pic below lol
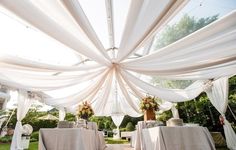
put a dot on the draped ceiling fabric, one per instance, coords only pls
(209, 53)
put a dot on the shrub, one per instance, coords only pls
(122, 129)
(33, 140)
(6, 139)
(37, 124)
(129, 127)
(110, 134)
(35, 136)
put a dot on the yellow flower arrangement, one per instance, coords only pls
(85, 111)
(149, 103)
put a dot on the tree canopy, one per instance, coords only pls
(200, 110)
(173, 33)
(184, 27)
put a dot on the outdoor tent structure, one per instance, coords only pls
(107, 77)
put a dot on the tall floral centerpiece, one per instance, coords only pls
(85, 111)
(149, 105)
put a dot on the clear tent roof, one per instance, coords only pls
(32, 44)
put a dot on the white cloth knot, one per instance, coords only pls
(207, 86)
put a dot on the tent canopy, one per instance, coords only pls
(103, 38)
(104, 74)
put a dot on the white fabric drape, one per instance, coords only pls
(102, 106)
(218, 95)
(124, 91)
(117, 119)
(62, 114)
(172, 95)
(39, 82)
(221, 32)
(78, 14)
(4, 95)
(208, 53)
(38, 18)
(24, 103)
(175, 111)
(88, 93)
(164, 106)
(144, 20)
(215, 44)
(16, 63)
(205, 54)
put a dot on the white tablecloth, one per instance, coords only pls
(69, 139)
(133, 138)
(177, 138)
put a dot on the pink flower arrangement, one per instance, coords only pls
(85, 111)
(149, 103)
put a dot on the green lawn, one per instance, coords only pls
(112, 141)
(33, 146)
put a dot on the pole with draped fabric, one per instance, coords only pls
(24, 103)
(62, 114)
(218, 95)
(117, 119)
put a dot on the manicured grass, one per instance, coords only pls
(32, 146)
(112, 141)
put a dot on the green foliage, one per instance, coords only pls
(173, 33)
(175, 84)
(106, 123)
(35, 135)
(164, 116)
(122, 129)
(112, 141)
(5, 139)
(109, 134)
(2, 113)
(70, 117)
(33, 140)
(201, 111)
(103, 122)
(32, 119)
(184, 27)
(32, 146)
(130, 127)
(43, 124)
(128, 119)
